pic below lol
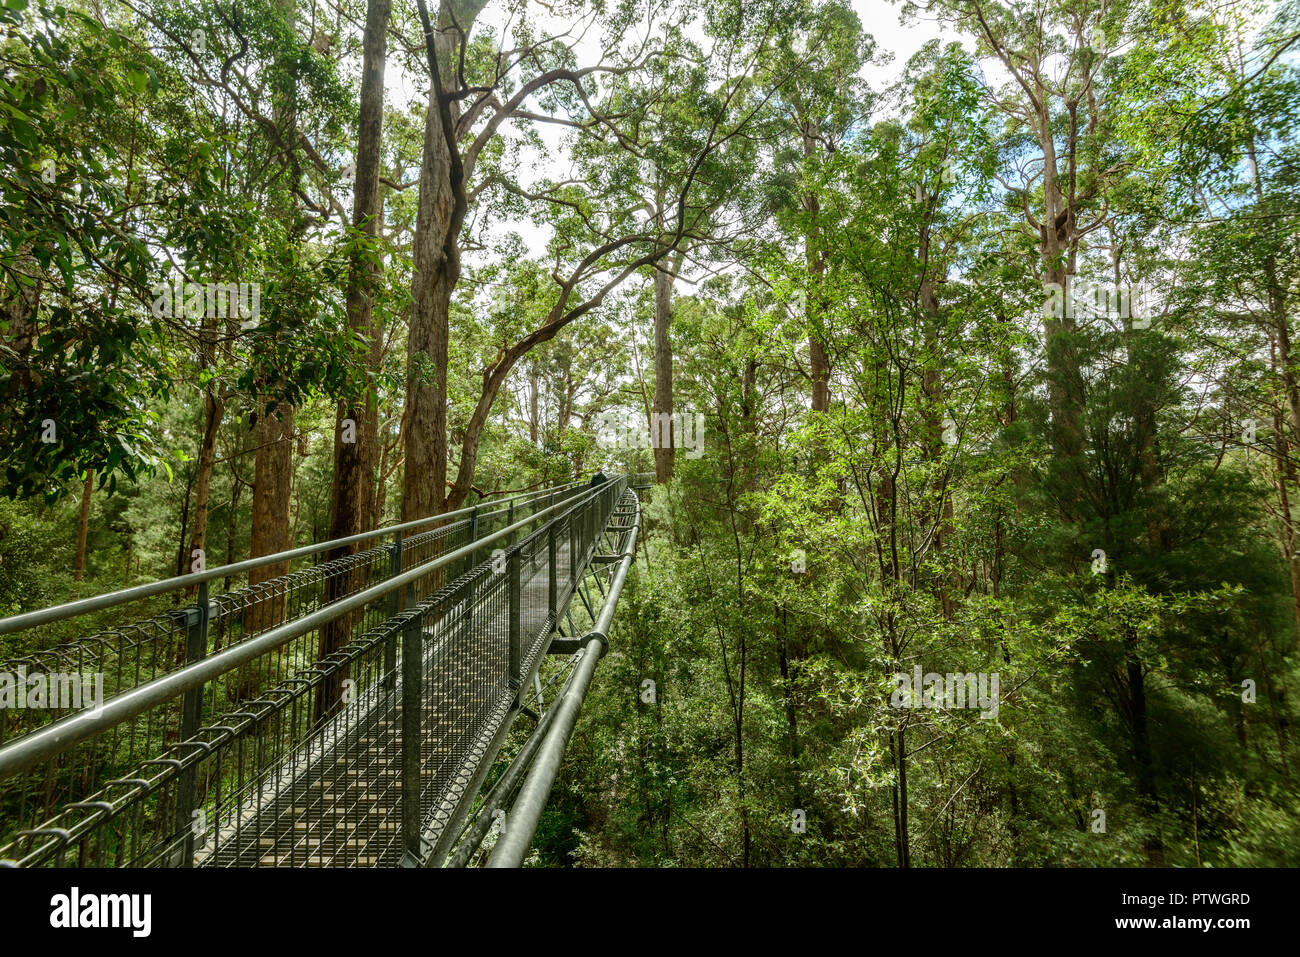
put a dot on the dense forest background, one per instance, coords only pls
(993, 361)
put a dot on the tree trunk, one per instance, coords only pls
(273, 458)
(436, 270)
(661, 428)
(236, 489)
(1057, 250)
(424, 427)
(214, 407)
(355, 437)
(565, 411)
(355, 451)
(272, 500)
(83, 529)
(381, 488)
(819, 369)
(534, 401)
(787, 687)
(19, 311)
(1138, 727)
(940, 517)
(181, 564)
(373, 471)
(1284, 476)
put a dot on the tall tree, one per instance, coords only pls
(1054, 55)
(594, 253)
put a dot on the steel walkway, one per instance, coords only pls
(324, 809)
(345, 714)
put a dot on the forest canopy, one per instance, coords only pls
(954, 334)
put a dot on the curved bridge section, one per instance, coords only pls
(342, 714)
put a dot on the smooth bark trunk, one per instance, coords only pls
(83, 529)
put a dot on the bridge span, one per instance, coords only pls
(346, 712)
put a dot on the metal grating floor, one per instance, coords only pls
(337, 802)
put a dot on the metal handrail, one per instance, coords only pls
(45, 616)
(60, 736)
(525, 814)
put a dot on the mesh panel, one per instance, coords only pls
(298, 755)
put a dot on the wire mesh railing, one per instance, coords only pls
(331, 716)
(531, 770)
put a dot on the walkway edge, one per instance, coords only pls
(525, 814)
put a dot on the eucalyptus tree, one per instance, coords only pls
(356, 427)
(476, 88)
(814, 71)
(356, 439)
(671, 103)
(1048, 75)
(1216, 134)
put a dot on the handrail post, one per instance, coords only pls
(394, 608)
(196, 648)
(473, 537)
(573, 553)
(412, 673)
(516, 655)
(395, 569)
(552, 581)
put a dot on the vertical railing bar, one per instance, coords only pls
(552, 581)
(196, 648)
(516, 657)
(394, 608)
(573, 553)
(411, 729)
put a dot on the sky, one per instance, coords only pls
(880, 19)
